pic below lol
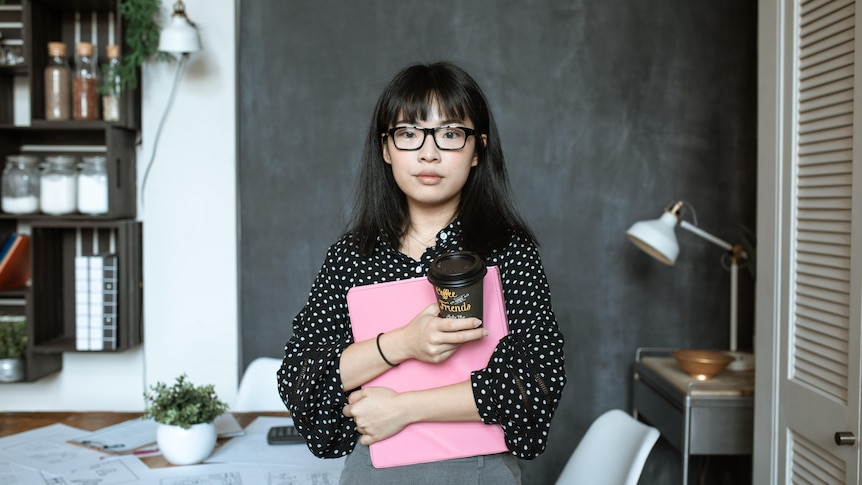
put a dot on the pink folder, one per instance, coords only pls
(385, 306)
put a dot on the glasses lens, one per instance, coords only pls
(408, 138)
(450, 137)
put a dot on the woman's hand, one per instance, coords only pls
(380, 412)
(432, 339)
(377, 413)
(427, 338)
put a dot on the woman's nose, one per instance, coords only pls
(429, 152)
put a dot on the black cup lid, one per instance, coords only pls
(457, 268)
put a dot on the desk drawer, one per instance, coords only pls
(719, 428)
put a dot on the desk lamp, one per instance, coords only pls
(656, 237)
(180, 36)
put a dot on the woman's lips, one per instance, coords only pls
(428, 178)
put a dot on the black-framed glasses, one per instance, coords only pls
(445, 137)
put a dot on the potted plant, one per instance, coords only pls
(186, 433)
(13, 347)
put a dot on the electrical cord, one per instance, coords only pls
(180, 67)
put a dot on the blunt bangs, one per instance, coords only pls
(416, 90)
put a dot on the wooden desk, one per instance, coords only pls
(713, 417)
(17, 422)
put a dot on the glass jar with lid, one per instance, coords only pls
(93, 186)
(21, 184)
(59, 185)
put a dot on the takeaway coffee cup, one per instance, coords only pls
(458, 282)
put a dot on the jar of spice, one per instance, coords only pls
(58, 82)
(93, 186)
(85, 96)
(111, 85)
(21, 185)
(58, 185)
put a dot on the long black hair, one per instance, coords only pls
(487, 214)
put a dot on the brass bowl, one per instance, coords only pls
(702, 364)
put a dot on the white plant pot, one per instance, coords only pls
(186, 446)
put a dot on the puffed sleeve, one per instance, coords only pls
(522, 385)
(309, 380)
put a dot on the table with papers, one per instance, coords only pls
(35, 448)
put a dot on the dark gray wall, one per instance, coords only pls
(608, 111)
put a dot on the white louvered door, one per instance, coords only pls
(819, 374)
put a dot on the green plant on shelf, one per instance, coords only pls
(13, 337)
(183, 404)
(141, 39)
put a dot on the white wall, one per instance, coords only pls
(190, 239)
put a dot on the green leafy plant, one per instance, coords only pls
(183, 404)
(141, 38)
(13, 337)
(749, 244)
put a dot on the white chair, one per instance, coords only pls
(258, 388)
(612, 452)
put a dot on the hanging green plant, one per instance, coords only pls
(141, 39)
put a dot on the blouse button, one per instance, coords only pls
(444, 235)
(419, 269)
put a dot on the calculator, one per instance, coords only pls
(284, 435)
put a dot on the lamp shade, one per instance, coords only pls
(179, 36)
(656, 237)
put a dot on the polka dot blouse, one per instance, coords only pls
(519, 389)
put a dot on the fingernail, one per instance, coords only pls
(478, 324)
(485, 333)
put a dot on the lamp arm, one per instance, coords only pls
(736, 253)
(705, 235)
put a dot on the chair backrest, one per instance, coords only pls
(258, 388)
(612, 452)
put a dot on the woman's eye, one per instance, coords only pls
(452, 133)
(407, 134)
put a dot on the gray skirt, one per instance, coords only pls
(499, 469)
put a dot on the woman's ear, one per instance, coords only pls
(484, 139)
(385, 149)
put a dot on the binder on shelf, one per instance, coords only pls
(7, 243)
(96, 301)
(82, 302)
(384, 306)
(107, 326)
(15, 262)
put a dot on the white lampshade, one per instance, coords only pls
(180, 36)
(656, 237)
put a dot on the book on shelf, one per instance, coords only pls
(96, 302)
(15, 262)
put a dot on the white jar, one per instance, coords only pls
(21, 185)
(93, 186)
(59, 186)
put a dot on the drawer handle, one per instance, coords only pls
(845, 438)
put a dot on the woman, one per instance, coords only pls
(433, 180)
